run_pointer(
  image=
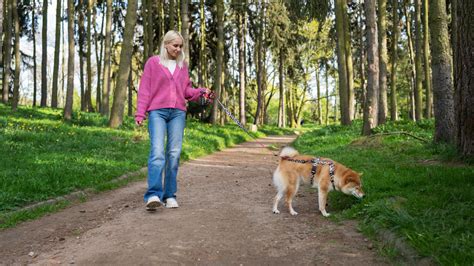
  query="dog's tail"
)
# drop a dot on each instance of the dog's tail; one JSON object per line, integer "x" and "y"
{"x": 288, "y": 152}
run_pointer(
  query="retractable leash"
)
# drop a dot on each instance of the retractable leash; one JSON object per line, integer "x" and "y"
{"x": 210, "y": 97}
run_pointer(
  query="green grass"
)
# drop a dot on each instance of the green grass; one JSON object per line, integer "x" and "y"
{"x": 420, "y": 191}
{"x": 44, "y": 157}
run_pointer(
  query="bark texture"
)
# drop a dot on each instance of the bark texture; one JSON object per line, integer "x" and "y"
{"x": 464, "y": 77}
{"x": 370, "y": 108}
{"x": 442, "y": 76}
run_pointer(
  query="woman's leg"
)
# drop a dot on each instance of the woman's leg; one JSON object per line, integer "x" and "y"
{"x": 175, "y": 132}
{"x": 156, "y": 162}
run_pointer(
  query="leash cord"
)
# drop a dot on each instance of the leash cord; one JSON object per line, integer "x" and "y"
{"x": 240, "y": 125}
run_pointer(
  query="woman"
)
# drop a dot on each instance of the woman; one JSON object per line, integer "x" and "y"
{"x": 164, "y": 90}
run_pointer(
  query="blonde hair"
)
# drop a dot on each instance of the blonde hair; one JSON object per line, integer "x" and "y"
{"x": 164, "y": 57}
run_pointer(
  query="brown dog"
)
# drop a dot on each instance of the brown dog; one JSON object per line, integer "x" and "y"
{"x": 328, "y": 175}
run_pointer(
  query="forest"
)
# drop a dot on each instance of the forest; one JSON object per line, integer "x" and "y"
{"x": 270, "y": 62}
{"x": 385, "y": 86}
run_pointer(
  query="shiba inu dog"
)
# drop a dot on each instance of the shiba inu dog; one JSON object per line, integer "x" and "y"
{"x": 321, "y": 173}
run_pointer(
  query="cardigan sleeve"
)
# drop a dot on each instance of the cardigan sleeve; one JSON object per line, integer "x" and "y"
{"x": 190, "y": 93}
{"x": 143, "y": 96}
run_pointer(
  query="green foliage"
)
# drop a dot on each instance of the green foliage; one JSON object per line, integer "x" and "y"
{"x": 412, "y": 188}
{"x": 48, "y": 158}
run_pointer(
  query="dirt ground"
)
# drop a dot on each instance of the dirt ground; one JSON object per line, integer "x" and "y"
{"x": 225, "y": 218}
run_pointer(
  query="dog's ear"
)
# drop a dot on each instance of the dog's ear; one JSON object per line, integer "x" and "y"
{"x": 361, "y": 173}
{"x": 349, "y": 179}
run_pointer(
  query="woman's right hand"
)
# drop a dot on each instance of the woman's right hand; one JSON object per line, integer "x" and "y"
{"x": 209, "y": 95}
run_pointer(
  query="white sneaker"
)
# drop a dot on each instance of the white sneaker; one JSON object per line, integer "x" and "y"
{"x": 152, "y": 203}
{"x": 171, "y": 203}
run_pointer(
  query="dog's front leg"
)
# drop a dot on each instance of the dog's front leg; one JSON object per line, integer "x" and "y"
{"x": 322, "y": 198}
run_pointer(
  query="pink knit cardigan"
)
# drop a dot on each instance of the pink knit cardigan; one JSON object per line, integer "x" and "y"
{"x": 161, "y": 89}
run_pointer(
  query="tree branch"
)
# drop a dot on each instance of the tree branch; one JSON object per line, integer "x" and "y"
{"x": 399, "y": 133}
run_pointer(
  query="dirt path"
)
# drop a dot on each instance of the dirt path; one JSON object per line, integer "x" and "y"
{"x": 225, "y": 218}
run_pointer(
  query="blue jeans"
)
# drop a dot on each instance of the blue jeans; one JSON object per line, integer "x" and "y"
{"x": 169, "y": 123}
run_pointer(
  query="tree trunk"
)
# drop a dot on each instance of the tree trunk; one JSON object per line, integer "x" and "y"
{"x": 349, "y": 68}
{"x": 326, "y": 74}
{"x": 161, "y": 17}
{"x": 335, "y": 100}
{"x": 264, "y": 76}
{"x": 418, "y": 63}
{"x": 412, "y": 59}
{"x": 370, "y": 107}
{"x": 185, "y": 27}
{"x": 63, "y": 63}
{"x": 16, "y": 83}
{"x": 202, "y": 48}
{"x": 172, "y": 13}
{"x": 259, "y": 63}
{"x": 2, "y": 20}
{"x": 99, "y": 49}
{"x": 90, "y": 108}
{"x": 383, "y": 61}
{"x": 442, "y": 77}
{"x": 57, "y": 44}
{"x": 223, "y": 95}
{"x": 7, "y": 52}
{"x": 33, "y": 29}
{"x": 426, "y": 54}
{"x": 219, "y": 59}
{"x": 241, "y": 43}
{"x": 281, "y": 78}
{"x": 70, "y": 61}
{"x": 130, "y": 91}
{"x": 2, "y": 3}
{"x": 81, "y": 54}
{"x": 116, "y": 117}
{"x": 145, "y": 16}
{"x": 302, "y": 98}
{"x": 318, "y": 95}
{"x": 362, "y": 59}
{"x": 291, "y": 109}
{"x": 44, "y": 55}
{"x": 107, "y": 51}
{"x": 341, "y": 62}
{"x": 464, "y": 77}
{"x": 393, "y": 74}
{"x": 151, "y": 28}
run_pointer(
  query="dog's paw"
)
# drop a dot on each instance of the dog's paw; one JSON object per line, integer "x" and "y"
{"x": 293, "y": 213}
{"x": 325, "y": 214}
{"x": 276, "y": 211}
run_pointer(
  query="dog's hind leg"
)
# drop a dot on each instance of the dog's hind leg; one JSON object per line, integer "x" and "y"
{"x": 290, "y": 193}
{"x": 276, "y": 200}
{"x": 322, "y": 199}
{"x": 281, "y": 186}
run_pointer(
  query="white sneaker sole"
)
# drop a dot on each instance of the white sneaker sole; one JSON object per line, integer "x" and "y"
{"x": 151, "y": 206}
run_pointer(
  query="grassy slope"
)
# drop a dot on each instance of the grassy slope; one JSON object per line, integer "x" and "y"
{"x": 415, "y": 189}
